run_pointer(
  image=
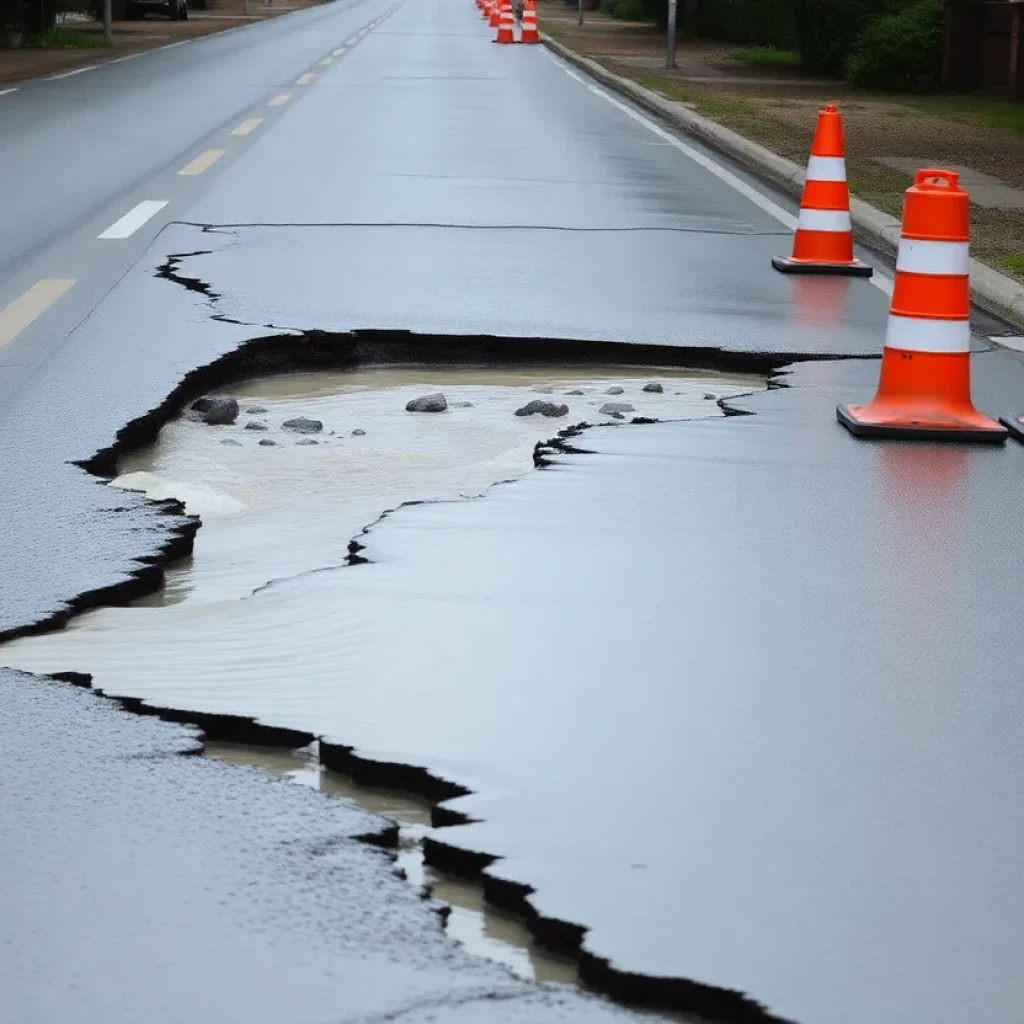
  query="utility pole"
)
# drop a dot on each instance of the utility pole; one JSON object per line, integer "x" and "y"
{"x": 579, "y": 12}
{"x": 670, "y": 49}
{"x": 108, "y": 23}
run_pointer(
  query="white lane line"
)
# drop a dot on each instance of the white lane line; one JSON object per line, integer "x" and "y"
{"x": 134, "y": 219}
{"x": 115, "y": 60}
{"x": 881, "y": 281}
{"x": 4, "y": 92}
{"x": 68, "y": 74}
{"x": 747, "y": 191}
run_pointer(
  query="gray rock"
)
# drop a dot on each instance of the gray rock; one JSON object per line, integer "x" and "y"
{"x": 544, "y": 391}
{"x": 617, "y": 416}
{"x": 615, "y": 409}
{"x": 548, "y": 409}
{"x": 231, "y": 440}
{"x": 614, "y": 391}
{"x": 256, "y": 410}
{"x": 435, "y": 402}
{"x": 303, "y": 425}
{"x": 267, "y": 442}
{"x": 217, "y": 410}
{"x": 710, "y": 397}
{"x": 307, "y": 440}
{"x": 358, "y": 432}
{"x": 576, "y": 392}
{"x": 462, "y": 405}
{"x": 255, "y": 425}
{"x": 654, "y": 388}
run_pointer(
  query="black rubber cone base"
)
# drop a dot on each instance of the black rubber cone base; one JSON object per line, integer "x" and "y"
{"x": 1014, "y": 425}
{"x": 788, "y": 265}
{"x": 919, "y": 432}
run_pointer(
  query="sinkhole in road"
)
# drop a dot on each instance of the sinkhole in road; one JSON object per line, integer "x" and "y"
{"x": 275, "y": 505}
{"x": 257, "y": 624}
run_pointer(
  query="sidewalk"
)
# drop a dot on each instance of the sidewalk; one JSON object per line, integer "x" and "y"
{"x": 888, "y": 137}
{"x": 152, "y": 32}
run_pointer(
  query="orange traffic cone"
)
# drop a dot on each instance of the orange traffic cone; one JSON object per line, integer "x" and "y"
{"x": 925, "y": 387}
{"x": 529, "y": 33}
{"x": 494, "y": 17}
{"x": 506, "y": 23}
{"x": 824, "y": 234}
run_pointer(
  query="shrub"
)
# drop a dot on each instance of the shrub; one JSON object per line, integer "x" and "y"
{"x": 900, "y": 51}
{"x": 827, "y": 29}
{"x": 629, "y": 10}
{"x": 751, "y": 22}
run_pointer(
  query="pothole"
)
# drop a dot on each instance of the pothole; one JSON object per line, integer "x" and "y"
{"x": 260, "y": 621}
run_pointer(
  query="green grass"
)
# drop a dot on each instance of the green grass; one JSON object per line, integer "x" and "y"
{"x": 65, "y": 39}
{"x": 1003, "y": 115}
{"x": 766, "y": 57}
{"x": 1015, "y": 263}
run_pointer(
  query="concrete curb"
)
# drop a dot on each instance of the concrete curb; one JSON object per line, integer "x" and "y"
{"x": 994, "y": 291}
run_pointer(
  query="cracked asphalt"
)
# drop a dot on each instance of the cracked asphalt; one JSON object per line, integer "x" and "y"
{"x": 835, "y": 826}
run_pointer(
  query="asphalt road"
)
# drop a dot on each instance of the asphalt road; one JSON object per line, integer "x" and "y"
{"x": 426, "y": 181}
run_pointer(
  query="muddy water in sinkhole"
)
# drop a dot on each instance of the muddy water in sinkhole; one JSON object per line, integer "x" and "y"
{"x": 255, "y": 623}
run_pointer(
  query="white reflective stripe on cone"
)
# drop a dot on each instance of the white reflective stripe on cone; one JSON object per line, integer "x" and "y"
{"x": 823, "y": 220}
{"x": 914, "y": 335}
{"x": 826, "y": 168}
{"x": 918, "y": 257}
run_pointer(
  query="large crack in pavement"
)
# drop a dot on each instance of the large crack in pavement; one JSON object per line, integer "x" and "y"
{"x": 280, "y": 353}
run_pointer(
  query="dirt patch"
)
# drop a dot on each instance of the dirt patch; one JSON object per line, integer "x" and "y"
{"x": 780, "y": 114}
{"x": 131, "y": 37}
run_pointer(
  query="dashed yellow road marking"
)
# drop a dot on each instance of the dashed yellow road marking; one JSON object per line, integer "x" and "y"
{"x": 326, "y": 62}
{"x": 30, "y": 305}
{"x": 305, "y": 79}
{"x": 352, "y": 40}
{"x": 280, "y": 100}
{"x": 202, "y": 162}
{"x": 340, "y": 51}
{"x": 250, "y": 124}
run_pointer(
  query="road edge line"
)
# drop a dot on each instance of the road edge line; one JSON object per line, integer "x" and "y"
{"x": 992, "y": 290}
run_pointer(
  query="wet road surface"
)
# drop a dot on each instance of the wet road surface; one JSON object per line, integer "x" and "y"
{"x": 142, "y": 885}
{"x": 809, "y": 635}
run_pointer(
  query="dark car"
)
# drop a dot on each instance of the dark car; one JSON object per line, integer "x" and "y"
{"x": 176, "y": 10}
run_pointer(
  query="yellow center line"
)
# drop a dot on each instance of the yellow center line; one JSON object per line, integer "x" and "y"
{"x": 280, "y": 100}
{"x": 305, "y": 79}
{"x": 326, "y": 62}
{"x": 352, "y": 40}
{"x": 30, "y": 305}
{"x": 250, "y": 124}
{"x": 340, "y": 51}
{"x": 203, "y": 162}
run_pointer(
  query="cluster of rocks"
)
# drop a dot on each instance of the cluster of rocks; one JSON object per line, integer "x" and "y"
{"x": 438, "y": 402}
{"x": 223, "y": 410}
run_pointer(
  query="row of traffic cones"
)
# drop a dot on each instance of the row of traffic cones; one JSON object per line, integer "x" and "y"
{"x": 499, "y": 15}
{"x": 924, "y": 391}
